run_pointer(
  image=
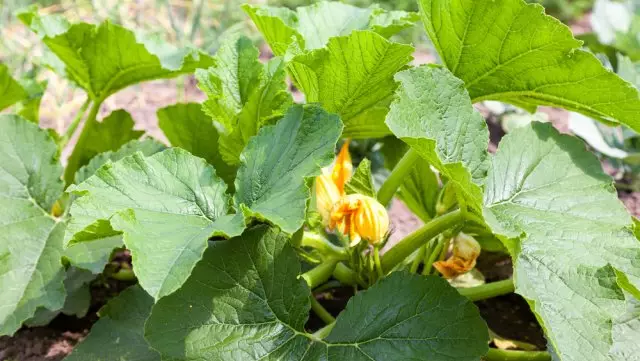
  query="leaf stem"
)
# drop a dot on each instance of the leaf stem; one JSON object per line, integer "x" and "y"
{"x": 495, "y": 354}
{"x": 488, "y": 290}
{"x": 324, "y": 332}
{"x": 314, "y": 240}
{"x": 435, "y": 253}
{"x": 397, "y": 176}
{"x": 86, "y": 130}
{"x": 68, "y": 134}
{"x": 418, "y": 238}
{"x": 418, "y": 258}
{"x": 376, "y": 258}
{"x": 321, "y": 311}
{"x": 319, "y": 274}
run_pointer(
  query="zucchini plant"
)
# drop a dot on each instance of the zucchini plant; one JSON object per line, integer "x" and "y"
{"x": 247, "y": 215}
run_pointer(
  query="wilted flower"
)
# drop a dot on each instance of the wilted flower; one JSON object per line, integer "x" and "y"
{"x": 360, "y": 217}
{"x": 330, "y": 185}
{"x": 465, "y": 252}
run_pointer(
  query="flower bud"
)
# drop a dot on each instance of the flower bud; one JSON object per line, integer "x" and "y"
{"x": 343, "y": 168}
{"x": 360, "y": 217}
{"x": 327, "y": 194}
{"x": 465, "y": 252}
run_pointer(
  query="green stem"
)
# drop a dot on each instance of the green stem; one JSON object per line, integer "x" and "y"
{"x": 313, "y": 240}
{"x": 418, "y": 238}
{"x": 495, "y": 354}
{"x": 376, "y": 258}
{"x": 319, "y": 274}
{"x": 397, "y": 176}
{"x": 321, "y": 311}
{"x": 324, "y": 332}
{"x": 435, "y": 253}
{"x": 488, "y": 290}
{"x": 346, "y": 275}
{"x": 68, "y": 134}
{"x": 86, "y": 130}
{"x": 418, "y": 258}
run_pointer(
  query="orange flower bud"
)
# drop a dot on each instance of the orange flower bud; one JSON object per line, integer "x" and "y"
{"x": 360, "y": 217}
{"x": 343, "y": 168}
{"x": 465, "y": 252}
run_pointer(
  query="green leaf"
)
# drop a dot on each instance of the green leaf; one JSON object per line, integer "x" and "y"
{"x": 257, "y": 307}
{"x": 311, "y": 27}
{"x": 77, "y": 302}
{"x": 361, "y": 181}
{"x": 29, "y": 108}
{"x": 31, "y": 273}
{"x": 106, "y": 58}
{"x": 166, "y": 205}
{"x": 271, "y": 180}
{"x": 510, "y": 51}
{"x": 118, "y": 335}
{"x": 569, "y": 235}
{"x": 419, "y": 191}
{"x": 188, "y": 127}
{"x": 109, "y": 135}
{"x": 626, "y": 330}
{"x": 146, "y": 146}
{"x": 243, "y": 94}
{"x": 10, "y": 90}
{"x": 353, "y": 77}
{"x": 93, "y": 255}
{"x": 433, "y": 114}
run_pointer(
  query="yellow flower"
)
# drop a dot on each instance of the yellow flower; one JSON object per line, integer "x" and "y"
{"x": 360, "y": 217}
{"x": 327, "y": 194}
{"x": 465, "y": 252}
{"x": 330, "y": 185}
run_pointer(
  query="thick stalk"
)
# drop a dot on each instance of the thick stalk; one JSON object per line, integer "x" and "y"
{"x": 418, "y": 238}
{"x": 488, "y": 290}
{"x": 68, "y": 134}
{"x": 397, "y": 176}
{"x": 346, "y": 275}
{"x": 313, "y": 240}
{"x": 319, "y": 274}
{"x": 495, "y": 354}
{"x": 321, "y": 311}
{"x": 418, "y": 258}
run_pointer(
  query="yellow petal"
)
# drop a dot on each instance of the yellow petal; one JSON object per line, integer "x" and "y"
{"x": 343, "y": 168}
{"x": 327, "y": 194}
{"x": 465, "y": 253}
{"x": 360, "y": 217}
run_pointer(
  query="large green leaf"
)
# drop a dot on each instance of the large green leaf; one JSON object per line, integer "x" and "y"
{"x": 353, "y": 77}
{"x": 256, "y": 308}
{"x": 148, "y": 146}
{"x": 433, "y": 114}
{"x": 510, "y": 51}
{"x": 95, "y": 249}
{"x": 420, "y": 190}
{"x": 570, "y": 237}
{"x": 167, "y": 205}
{"x": 10, "y": 90}
{"x": 243, "y": 94}
{"x": 271, "y": 179}
{"x": 106, "y": 58}
{"x": 118, "y": 335}
{"x": 188, "y": 127}
{"x": 311, "y": 27}
{"x": 109, "y": 135}
{"x": 31, "y": 272}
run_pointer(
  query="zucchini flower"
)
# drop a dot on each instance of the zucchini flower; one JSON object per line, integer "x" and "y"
{"x": 330, "y": 185}
{"x": 465, "y": 252}
{"x": 360, "y": 217}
